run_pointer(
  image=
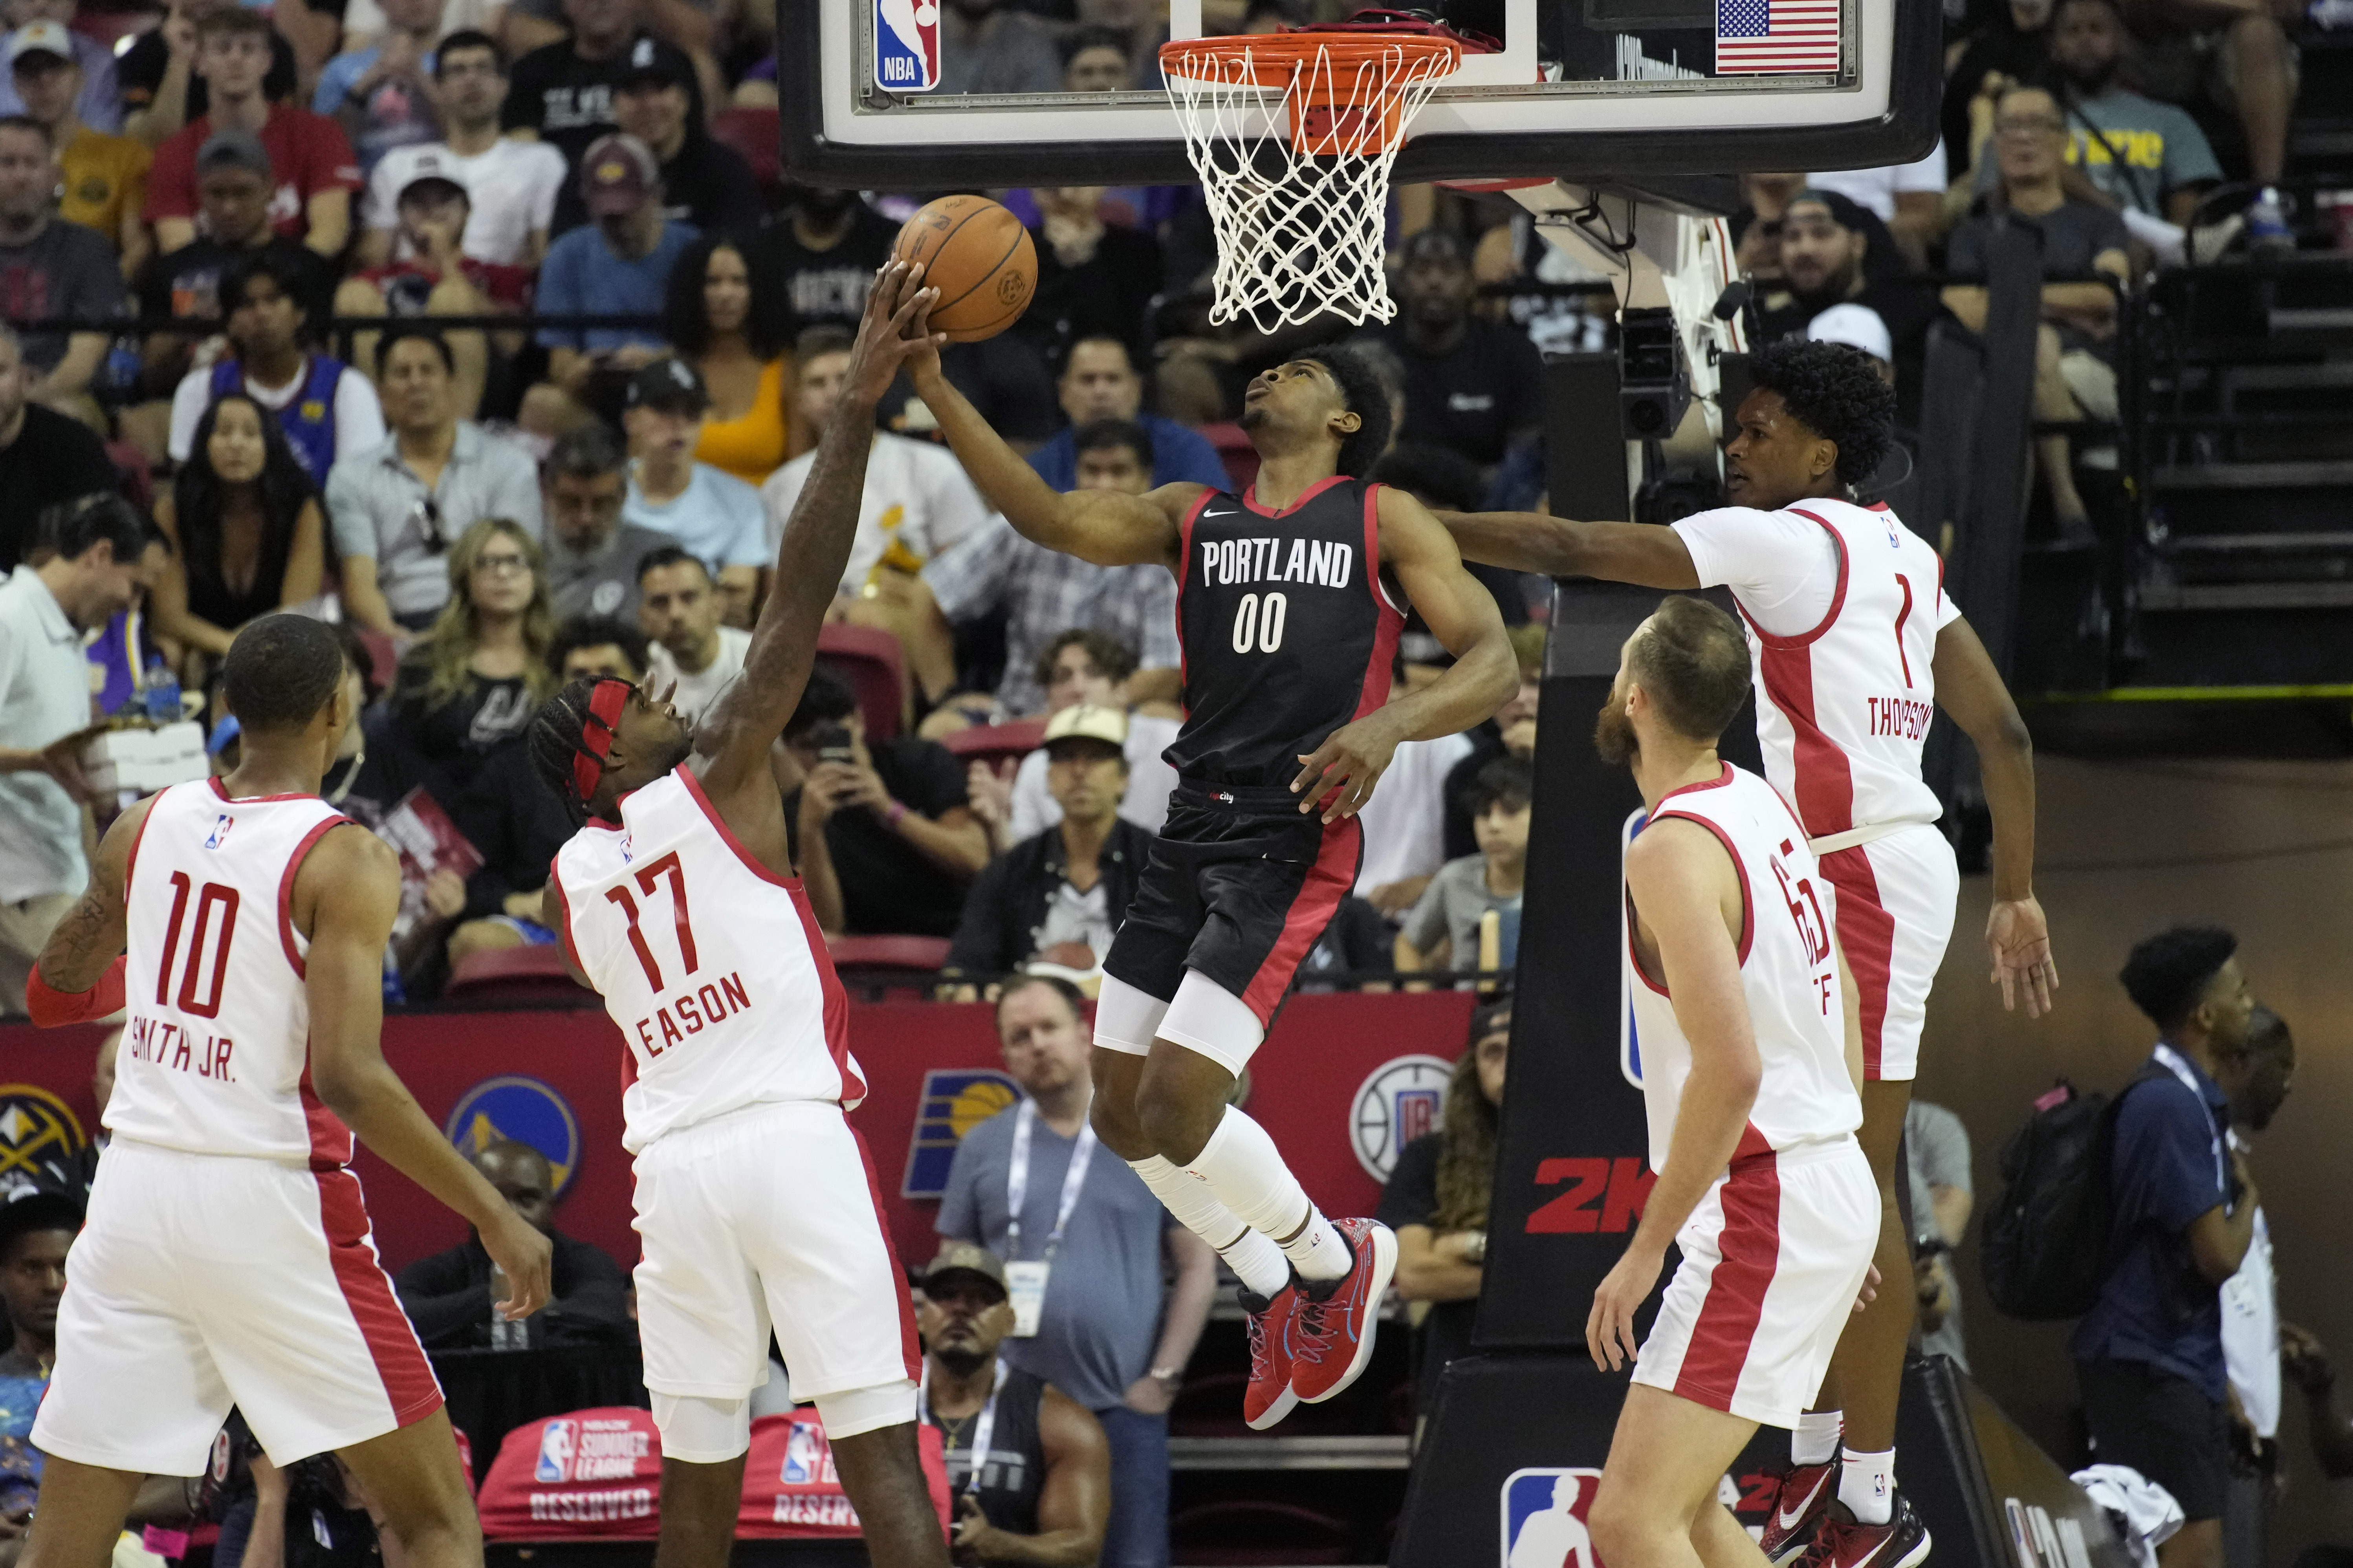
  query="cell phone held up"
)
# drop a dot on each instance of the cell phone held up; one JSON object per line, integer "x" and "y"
{"x": 831, "y": 742}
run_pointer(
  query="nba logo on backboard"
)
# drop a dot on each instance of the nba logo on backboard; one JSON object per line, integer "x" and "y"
{"x": 221, "y": 825}
{"x": 1544, "y": 1519}
{"x": 559, "y": 1441}
{"x": 907, "y": 45}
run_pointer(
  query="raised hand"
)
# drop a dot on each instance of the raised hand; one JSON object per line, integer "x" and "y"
{"x": 895, "y": 329}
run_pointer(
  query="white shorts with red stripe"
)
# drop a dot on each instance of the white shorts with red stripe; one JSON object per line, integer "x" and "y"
{"x": 768, "y": 1217}
{"x": 207, "y": 1281}
{"x": 1773, "y": 1259}
{"x": 1895, "y": 898}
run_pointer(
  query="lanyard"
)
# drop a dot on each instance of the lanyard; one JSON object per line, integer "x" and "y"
{"x": 983, "y": 1430}
{"x": 1017, "y": 1180}
{"x": 2170, "y": 1060}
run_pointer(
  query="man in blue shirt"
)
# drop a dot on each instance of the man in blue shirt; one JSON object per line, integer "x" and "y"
{"x": 2149, "y": 1352}
{"x": 1098, "y": 382}
{"x": 619, "y": 264}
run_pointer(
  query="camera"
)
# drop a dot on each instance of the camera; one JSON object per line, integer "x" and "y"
{"x": 1654, "y": 377}
{"x": 830, "y": 740}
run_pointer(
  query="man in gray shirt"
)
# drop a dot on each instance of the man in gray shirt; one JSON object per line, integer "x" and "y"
{"x": 1937, "y": 1147}
{"x": 1083, "y": 1261}
{"x": 592, "y": 553}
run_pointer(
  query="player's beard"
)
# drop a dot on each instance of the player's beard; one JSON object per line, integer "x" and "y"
{"x": 1613, "y": 732}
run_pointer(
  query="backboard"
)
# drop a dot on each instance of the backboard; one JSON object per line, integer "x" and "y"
{"x": 1581, "y": 89}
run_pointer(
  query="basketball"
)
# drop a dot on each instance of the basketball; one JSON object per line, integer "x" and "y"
{"x": 979, "y": 257}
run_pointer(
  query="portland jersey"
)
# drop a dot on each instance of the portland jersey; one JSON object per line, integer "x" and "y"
{"x": 1843, "y": 708}
{"x": 1788, "y": 975}
{"x": 216, "y": 1053}
{"x": 711, "y": 963}
{"x": 1288, "y": 633}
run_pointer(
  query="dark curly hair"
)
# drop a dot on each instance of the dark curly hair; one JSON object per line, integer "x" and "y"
{"x": 2167, "y": 974}
{"x": 1837, "y": 392}
{"x": 1365, "y": 394}
{"x": 768, "y": 325}
{"x": 555, "y": 739}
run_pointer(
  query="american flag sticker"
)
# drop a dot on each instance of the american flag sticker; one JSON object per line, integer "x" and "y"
{"x": 1756, "y": 38}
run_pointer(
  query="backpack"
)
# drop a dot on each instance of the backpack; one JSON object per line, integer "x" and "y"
{"x": 2045, "y": 1247}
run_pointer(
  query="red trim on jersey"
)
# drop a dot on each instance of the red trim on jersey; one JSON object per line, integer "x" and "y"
{"x": 1719, "y": 782}
{"x": 1249, "y": 497}
{"x": 1328, "y": 881}
{"x": 286, "y": 886}
{"x": 1747, "y": 903}
{"x": 1821, "y": 774}
{"x": 694, "y": 788}
{"x": 563, "y": 910}
{"x": 400, "y": 1365}
{"x": 837, "y": 1001}
{"x": 221, "y": 790}
{"x": 1749, "y": 1249}
{"x": 908, "y": 1346}
{"x": 1184, "y": 575}
{"x": 1838, "y": 594}
{"x": 1389, "y": 624}
{"x": 331, "y": 1140}
{"x": 1633, "y": 956}
{"x": 1867, "y": 932}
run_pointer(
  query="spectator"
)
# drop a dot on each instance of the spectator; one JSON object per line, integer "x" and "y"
{"x": 2148, "y": 1354}
{"x": 1826, "y": 261}
{"x": 621, "y": 266}
{"x": 1041, "y": 1492}
{"x": 1098, "y": 382}
{"x": 398, "y": 504}
{"x": 679, "y": 607}
{"x": 2257, "y": 1083}
{"x": 102, "y": 180}
{"x": 824, "y": 251}
{"x": 592, "y": 554}
{"x": 1040, "y": 594}
{"x": 1909, "y": 198}
{"x": 1005, "y": 377}
{"x": 563, "y": 93}
{"x": 1095, "y": 60}
{"x": 246, "y": 531}
{"x": 324, "y": 407}
{"x": 1109, "y": 1333}
{"x": 714, "y": 516}
{"x": 93, "y": 572}
{"x": 1470, "y": 386}
{"x": 433, "y": 275}
{"x": 96, "y": 101}
{"x": 917, "y": 502}
{"x": 1436, "y": 1201}
{"x": 2303, "y": 1359}
{"x": 2074, "y": 369}
{"x": 1058, "y": 895}
{"x": 381, "y": 93}
{"x": 1444, "y": 480}
{"x": 2147, "y": 156}
{"x": 2012, "y": 45}
{"x": 312, "y": 161}
{"x": 511, "y": 184}
{"x": 1444, "y": 930}
{"x": 163, "y": 88}
{"x": 37, "y": 1231}
{"x": 987, "y": 46}
{"x": 2236, "y": 54}
{"x": 704, "y": 182}
{"x": 1405, "y": 834}
{"x": 448, "y": 1295}
{"x": 1094, "y": 280}
{"x": 730, "y": 323}
{"x": 887, "y": 842}
{"x": 1512, "y": 731}
{"x": 598, "y": 646}
{"x": 1082, "y": 666}
{"x": 51, "y": 268}
{"x": 46, "y": 456}
{"x": 1936, "y": 1155}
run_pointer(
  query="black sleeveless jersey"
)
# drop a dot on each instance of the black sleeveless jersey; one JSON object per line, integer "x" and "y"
{"x": 1013, "y": 1473}
{"x": 1287, "y": 631}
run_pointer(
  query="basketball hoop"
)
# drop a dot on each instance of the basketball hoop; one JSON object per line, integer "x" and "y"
{"x": 1294, "y": 134}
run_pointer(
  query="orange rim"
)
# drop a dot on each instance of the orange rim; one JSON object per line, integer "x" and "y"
{"x": 1344, "y": 107}
{"x": 1286, "y": 53}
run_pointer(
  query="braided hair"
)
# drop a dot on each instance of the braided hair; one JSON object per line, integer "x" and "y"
{"x": 569, "y": 737}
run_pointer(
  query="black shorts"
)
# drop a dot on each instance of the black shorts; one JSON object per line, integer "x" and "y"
{"x": 2150, "y": 1420}
{"x": 1240, "y": 884}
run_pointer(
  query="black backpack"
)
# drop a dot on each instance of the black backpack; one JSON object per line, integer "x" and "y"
{"x": 2045, "y": 1247}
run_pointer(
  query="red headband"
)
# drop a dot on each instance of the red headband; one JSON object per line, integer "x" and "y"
{"x": 605, "y": 704}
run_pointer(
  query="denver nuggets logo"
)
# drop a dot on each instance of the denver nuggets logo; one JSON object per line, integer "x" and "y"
{"x": 523, "y": 1109}
{"x": 1396, "y": 1104}
{"x": 955, "y": 1100}
{"x": 37, "y": 1129}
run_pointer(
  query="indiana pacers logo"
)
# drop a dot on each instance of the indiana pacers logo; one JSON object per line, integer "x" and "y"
{"x": 37, "y": 1130}
{"x": 1396, "y": 1104}
{"x": 522, "y": 1110}
{"x": 954, "y": 1102}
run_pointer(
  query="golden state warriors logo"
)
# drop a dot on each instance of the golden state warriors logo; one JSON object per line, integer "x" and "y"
{"x": 955, "y": 1100}
{"x": 523, "y": 1109}
{"x": 36, "y": 1128}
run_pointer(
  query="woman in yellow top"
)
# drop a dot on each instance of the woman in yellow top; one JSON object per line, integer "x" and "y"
{"x": 734, "y": 329}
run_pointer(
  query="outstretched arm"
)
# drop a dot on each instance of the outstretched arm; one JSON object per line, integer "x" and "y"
{"x": 2017, "y": 938}
{"x": 1639, "y": 553}
{"x": 78, "y": 976}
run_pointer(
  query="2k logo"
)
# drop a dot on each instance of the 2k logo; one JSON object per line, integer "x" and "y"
{"x": 1608, "y": 1196}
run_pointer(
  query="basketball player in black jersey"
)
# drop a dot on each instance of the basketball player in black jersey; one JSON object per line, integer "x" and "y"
{"x": 1290, "y": 598}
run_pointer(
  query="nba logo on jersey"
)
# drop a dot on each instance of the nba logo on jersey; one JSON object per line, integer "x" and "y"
{"x": 559, "y": 1441}
{"x": 907, "y": 45}
{"x": 221, "y": 825}
{"x": 1544, "y": 1519}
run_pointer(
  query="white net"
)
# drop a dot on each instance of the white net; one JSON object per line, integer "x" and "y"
{"x": 1293, "y": 147}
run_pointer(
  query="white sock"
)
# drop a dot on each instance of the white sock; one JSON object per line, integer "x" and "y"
{"x": 1245, "y": 1172}
{"x": 1256, "y": 1261}
{"x": 1815, "y": 1440}
{"x": 1867, "y": 1486}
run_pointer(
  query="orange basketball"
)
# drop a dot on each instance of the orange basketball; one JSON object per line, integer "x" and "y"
{"x": 979, "y": 257}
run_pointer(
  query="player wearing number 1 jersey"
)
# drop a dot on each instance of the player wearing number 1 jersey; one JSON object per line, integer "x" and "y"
{"x": 678, "y": 902}
{"x": 1290, "y": 598}
{"x": 1853, "y": 644}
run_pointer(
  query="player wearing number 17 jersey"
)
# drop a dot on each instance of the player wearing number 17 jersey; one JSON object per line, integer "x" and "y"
{"x": 677, "y": 901}
{"x": 1290, "y": 598}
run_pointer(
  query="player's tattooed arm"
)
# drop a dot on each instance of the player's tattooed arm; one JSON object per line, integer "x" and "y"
{"x": 2017, "y": 938}
{"x": 88, "y": 940}
{"x": 1639, "y": 553}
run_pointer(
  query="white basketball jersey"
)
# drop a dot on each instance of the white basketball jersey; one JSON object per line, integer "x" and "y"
{"x": 711, "y": 963}
{"x": 1842, "y": 711}
{"x": 216, "y": 1054}
{"x": 1787, "y": 973}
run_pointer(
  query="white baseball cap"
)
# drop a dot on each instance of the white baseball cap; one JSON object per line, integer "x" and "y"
{"x": 42, "y": 38}
{"x": 1858, "y": 327}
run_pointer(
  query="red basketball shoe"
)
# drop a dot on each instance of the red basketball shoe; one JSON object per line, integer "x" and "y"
{"x": 1805, "y": 1496}
{"x": 1269, "y": 1397}
{"x": 1331, "y": 1329}
{"x": 1902, "y": 1542}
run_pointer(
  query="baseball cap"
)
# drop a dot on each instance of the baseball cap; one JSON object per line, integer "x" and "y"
{"x": 1845, "y": 210}
{"x": 1087, "y": 722}
{"x": 428, "y": 166}
{"x": 967, "y": 1258}
{"x": 1434, "y": 245}
{"x": 669, "y": 385}
{"x": 618, "y": 174}
{"x": 1856, "y": 326}
{"x": 650, "y": 62}
{"x": 233, "y": 149}
{"x": 41, "y": 38}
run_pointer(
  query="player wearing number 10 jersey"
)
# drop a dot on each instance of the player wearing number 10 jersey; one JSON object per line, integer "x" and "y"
{"x": 1290, "y": 598}
{"x": 678, "y": 902}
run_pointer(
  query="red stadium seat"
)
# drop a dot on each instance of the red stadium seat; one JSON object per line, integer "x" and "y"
{"x": 876, "y": 669}
{"x": 894, "y": 954}
{"x": 997, "y": 743}
{"x": 514, "y": 975}
{"x": 1234, "y": 450}
{"x": 755, "y": 133}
